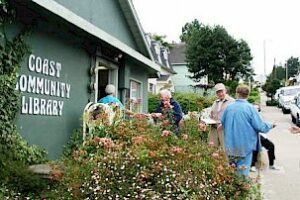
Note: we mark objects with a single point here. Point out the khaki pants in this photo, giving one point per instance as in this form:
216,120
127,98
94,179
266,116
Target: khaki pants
217,138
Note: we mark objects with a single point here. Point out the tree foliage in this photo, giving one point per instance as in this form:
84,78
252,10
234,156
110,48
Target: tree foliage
292,65
271,86
162,40
278,72
12,51
212,51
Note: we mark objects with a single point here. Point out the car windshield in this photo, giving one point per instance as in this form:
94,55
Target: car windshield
291,91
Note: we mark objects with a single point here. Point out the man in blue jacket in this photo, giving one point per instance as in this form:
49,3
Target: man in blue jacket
242,123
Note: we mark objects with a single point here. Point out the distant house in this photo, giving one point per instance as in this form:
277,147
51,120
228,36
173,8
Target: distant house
161,57
181,80
77,48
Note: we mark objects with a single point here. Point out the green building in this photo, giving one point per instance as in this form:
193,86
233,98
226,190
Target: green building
78,47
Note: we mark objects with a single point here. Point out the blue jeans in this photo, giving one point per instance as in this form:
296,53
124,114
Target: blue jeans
242,164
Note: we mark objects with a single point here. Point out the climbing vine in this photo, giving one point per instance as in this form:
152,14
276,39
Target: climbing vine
12,52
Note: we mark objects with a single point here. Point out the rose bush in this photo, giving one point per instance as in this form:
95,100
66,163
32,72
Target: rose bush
142,161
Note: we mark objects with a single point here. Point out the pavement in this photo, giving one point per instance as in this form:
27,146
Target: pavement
282,184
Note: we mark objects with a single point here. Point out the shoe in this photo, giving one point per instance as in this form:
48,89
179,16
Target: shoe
253,169
274,167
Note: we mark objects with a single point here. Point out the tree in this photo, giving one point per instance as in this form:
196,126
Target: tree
212,51
293,66
162,40
271,86
278,72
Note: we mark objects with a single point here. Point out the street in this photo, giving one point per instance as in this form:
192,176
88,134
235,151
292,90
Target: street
283,184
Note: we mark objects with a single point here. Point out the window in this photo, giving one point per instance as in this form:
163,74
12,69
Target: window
151,88
135,96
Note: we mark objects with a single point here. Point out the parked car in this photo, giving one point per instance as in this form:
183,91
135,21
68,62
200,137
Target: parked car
276,96
295,110
286,95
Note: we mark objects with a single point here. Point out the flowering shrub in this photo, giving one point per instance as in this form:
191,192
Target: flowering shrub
141,161
136,160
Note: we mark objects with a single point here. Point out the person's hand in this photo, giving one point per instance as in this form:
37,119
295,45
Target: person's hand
181,123
294,129
219,128
156,115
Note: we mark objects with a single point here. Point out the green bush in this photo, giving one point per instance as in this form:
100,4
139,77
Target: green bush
75,141
140,162
254,96
17,176
231,87
153,102
187,101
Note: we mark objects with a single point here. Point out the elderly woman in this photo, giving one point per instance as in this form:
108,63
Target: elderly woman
242,123
110,98
167,102
110,90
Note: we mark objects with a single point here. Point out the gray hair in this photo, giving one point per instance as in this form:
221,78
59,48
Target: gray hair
110,89
165,92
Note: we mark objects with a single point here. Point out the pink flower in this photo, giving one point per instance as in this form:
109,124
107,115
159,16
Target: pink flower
165,133
176,150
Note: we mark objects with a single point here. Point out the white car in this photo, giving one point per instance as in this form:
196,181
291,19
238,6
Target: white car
276,96
286,95
295,110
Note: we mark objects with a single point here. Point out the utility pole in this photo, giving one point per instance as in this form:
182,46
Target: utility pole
265,73
274,67
286,74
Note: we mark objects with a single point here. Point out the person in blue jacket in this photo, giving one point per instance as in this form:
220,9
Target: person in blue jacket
166,101
242,123
110,90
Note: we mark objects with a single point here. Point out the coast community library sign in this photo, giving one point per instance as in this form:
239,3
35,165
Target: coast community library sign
44,79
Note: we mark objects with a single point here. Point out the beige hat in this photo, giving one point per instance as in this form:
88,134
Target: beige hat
220,86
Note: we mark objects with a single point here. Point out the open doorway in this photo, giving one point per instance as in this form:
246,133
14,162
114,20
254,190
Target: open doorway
105,73
103,81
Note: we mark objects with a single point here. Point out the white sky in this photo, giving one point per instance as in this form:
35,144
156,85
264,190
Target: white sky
275,21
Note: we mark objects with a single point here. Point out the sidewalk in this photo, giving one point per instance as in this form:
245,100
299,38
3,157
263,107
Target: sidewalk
283,184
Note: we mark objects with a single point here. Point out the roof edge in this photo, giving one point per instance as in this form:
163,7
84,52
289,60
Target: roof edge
91,29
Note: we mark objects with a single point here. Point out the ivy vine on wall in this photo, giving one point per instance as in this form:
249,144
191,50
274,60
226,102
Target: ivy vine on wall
12,52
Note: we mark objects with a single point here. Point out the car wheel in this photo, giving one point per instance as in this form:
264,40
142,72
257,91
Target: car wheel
285,111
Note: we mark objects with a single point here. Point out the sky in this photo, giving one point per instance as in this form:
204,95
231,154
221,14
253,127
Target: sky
270,27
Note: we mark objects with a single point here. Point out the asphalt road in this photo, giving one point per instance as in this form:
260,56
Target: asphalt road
283,184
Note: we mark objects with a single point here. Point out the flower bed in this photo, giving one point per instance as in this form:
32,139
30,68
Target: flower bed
136,160
139,161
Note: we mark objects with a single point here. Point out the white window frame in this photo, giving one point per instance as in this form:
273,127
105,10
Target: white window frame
141,92
113,71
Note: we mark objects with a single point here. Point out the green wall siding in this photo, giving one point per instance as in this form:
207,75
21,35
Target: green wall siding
105,14
52,132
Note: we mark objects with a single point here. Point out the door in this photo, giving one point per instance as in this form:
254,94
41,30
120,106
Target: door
105,73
